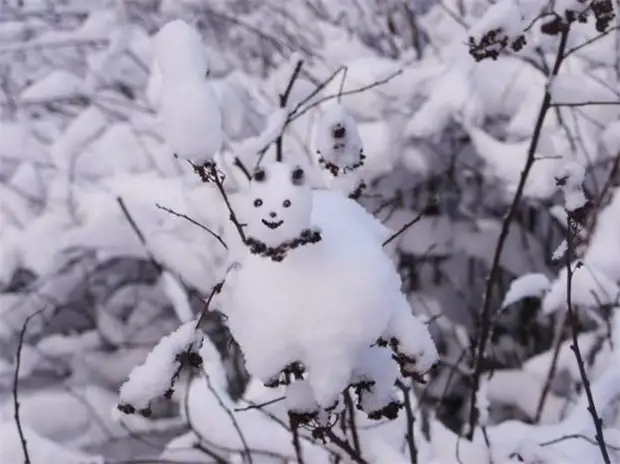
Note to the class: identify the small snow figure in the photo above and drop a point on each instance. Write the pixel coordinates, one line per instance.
(326, 301)
(340, 150)
(188, 106)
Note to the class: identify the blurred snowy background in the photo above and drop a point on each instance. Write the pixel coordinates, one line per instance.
(82, 156)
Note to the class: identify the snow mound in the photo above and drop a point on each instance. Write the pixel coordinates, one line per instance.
(153, 378)
(527, 286)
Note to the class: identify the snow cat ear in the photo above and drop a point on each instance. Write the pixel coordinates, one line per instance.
(298, 176)
(259, 175)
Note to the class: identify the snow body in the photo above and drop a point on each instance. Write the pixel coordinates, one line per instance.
(325, 302)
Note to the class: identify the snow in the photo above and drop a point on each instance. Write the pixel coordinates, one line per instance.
(96, 99)
(591, 288)
(570, 180)
(152, 378)
(511, 16)
(180, 52)
(190, 113)
(533, 285)
(299, 397)
(39, 449)
(58, 84)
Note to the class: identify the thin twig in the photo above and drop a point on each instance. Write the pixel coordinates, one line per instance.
(260, 405)
(409, 436)
(598, 422)
(296, 442)
(344, 446)
(557, 345)
(231, 416)
(283, 102)
(403, 229)
(196, 223)
(485, 324)
(352, 425)
(18, 359)
(215, 177)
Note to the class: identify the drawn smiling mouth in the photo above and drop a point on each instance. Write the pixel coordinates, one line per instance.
(272, 225)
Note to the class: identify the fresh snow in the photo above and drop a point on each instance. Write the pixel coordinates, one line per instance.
(527, 286)
(152, 378)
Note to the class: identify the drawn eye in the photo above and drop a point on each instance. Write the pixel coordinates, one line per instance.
(286, 203)
(258, 203)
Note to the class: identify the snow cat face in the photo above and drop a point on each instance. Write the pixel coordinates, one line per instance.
(278, 204)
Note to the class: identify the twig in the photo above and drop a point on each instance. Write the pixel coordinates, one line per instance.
(344, 446)
(215, 177)
(403, 229)
(342, 82)
(557, 345)
(352, 425)
(18, 359)
(598, 422)
(296, 442)
(409, 436)
(486, 313)
(573, 437)
(584, 103)
(259, 405)
(283, 101)
(184, 216)
(230, 414)
(217, 288)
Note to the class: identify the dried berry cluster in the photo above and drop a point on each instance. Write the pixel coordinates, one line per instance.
(496, 40)
(493, 43)
(336, 170)
(357, 193)
(294, 370)
(278, 253)
(604, 13)
(405, 363)
(205, 171)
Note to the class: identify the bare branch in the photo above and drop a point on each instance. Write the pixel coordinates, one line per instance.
(18, 358)
(572, 318)
(283, 101)
(485, 321)
(184, 216)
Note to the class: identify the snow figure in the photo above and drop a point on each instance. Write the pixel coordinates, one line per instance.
(188, 106)
(340, 151)
(311, 290)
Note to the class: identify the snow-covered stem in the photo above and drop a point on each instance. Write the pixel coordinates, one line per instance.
(486, 315)
(283, 102)
(572, 319)
(557, 345)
